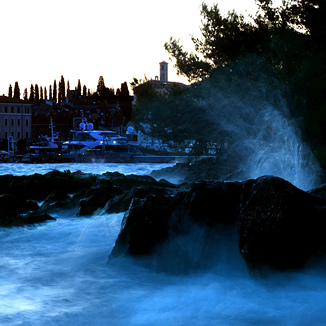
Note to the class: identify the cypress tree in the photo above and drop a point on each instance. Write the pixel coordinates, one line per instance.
(55, 91)
(50, 92)
(78, 88)
(62, 90)
(16, 90)
(32, 94)
(37, 94)
(45, 94)
(25, 96)
(10, 91)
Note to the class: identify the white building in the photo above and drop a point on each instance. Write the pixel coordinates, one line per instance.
(15, 118)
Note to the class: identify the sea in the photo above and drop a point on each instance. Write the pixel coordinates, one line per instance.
(58, 273)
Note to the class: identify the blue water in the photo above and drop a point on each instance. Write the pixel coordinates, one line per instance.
(56, 273)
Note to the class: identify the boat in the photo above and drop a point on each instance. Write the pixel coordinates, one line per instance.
(46, 144)
(88, 141)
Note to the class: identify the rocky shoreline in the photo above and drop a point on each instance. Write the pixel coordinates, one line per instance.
(274, 223)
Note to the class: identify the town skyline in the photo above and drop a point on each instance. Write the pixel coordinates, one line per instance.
(84, 40)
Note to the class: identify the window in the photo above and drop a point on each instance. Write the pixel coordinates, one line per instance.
(18, 122)
(18, 110)
(26, 122)
(18, 134)
(6, 109)
(26, 134)
(12, 109)
(6, 122)
(6, 134)
(12, 122)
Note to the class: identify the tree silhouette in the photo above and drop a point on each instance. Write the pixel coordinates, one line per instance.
(25, 95)
(78, 88)
(101, 87)
(55, 91)
(16, 91)
(62, 90)
(32, 94)
(37, 94)
(10, 91)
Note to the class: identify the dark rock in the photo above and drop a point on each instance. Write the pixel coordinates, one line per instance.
(214, 203)
(280, 225)
(145, 225)
(199, 169)
(33, 217)
(38, 186)
(155, 219)
(59, 200)
(122, 202)
(319, 192)
(97, 196)
(12, 206)
(128, 182)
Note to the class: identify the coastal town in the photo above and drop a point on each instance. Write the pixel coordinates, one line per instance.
(77, 126)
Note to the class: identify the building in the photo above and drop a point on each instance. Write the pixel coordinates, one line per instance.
(161, 84)
(163, 71)
(15, 118)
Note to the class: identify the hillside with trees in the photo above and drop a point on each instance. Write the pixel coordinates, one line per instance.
(276, 58)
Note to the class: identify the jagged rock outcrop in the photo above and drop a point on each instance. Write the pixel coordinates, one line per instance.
(97, 196)
(122, 202)
(145, 225)
(152, 220)
(85, 194)
(275, 223)
(280, 225)
(15, 210)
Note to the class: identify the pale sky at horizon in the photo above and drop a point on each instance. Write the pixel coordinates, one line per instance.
(82, 39)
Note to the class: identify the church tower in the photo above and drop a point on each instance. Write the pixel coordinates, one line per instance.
(163, 71)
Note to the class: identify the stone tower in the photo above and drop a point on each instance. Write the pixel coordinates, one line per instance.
(163, 71)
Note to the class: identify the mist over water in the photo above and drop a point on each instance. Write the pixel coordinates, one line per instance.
(57, 274)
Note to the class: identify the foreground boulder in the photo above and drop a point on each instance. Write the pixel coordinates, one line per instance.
(155, 219)
(275, 223)
(280, 225)
(145, 225)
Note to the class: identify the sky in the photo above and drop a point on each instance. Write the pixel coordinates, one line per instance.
(84, 39)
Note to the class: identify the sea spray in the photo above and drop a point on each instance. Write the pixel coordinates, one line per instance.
(252, 120)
